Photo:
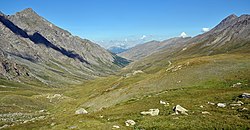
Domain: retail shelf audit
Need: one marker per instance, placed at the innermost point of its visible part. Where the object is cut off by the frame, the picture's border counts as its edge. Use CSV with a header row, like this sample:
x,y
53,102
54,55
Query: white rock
x,y
26,121
81,111
163,102
137,72
235,104
179,109
130,123
221,104
4,126
211,103
55,96
240,102
236,85
41,117
176,118
72,127
116,126
245,95
52,124
152,112
41,111
205,112
244,109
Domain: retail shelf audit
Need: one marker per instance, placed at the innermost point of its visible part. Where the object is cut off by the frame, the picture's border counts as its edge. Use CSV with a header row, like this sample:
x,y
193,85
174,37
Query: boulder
x,y
211,103
180,110
163,102
245,95
81,111
129,122
152,112
116,126
221,104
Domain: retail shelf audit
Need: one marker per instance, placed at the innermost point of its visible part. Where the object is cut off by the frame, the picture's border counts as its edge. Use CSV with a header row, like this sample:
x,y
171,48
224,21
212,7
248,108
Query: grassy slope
x,y
119,98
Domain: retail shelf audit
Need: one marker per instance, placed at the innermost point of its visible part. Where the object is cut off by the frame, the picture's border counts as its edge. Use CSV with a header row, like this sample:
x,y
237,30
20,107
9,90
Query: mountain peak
x,y
28,11
226,22
230,17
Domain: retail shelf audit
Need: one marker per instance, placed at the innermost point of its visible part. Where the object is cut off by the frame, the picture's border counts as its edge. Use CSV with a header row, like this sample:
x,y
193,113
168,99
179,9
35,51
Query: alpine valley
x,y
50,79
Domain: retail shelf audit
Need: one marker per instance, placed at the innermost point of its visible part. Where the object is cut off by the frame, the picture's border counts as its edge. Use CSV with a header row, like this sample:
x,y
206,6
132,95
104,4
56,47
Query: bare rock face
x,y
49,51
230,35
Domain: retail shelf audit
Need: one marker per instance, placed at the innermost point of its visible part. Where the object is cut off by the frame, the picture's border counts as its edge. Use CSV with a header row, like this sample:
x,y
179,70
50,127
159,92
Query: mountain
x,y
117,49
215,59
143,50
207,75
234,29
49,53
231,35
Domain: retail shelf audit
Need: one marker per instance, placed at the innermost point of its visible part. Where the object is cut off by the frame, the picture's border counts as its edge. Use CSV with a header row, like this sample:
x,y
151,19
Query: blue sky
x,y
112,19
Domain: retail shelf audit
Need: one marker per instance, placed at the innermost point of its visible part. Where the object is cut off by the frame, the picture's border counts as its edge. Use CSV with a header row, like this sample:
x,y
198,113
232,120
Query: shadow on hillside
x,y
37,38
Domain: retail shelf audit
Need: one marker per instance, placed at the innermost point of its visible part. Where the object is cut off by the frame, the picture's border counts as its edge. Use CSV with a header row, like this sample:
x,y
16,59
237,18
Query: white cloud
x,y
205,29
143,37
183,35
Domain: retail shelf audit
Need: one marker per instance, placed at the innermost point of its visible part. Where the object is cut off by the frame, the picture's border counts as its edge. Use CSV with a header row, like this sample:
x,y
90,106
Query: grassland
x,y
189,82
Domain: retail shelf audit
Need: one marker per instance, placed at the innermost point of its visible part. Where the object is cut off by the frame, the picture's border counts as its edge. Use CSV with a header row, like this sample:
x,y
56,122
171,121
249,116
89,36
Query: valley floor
x,y
197,84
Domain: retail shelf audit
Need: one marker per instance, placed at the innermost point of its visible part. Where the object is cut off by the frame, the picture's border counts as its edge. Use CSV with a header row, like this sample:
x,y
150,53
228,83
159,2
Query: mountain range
x,y
33,47
50,79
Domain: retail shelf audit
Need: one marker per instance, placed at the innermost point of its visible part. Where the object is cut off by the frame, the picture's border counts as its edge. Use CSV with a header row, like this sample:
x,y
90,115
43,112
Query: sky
x,y
113,19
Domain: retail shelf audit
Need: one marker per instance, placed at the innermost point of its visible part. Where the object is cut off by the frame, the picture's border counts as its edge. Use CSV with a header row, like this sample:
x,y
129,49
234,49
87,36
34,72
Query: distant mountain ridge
x,y
231,35
46,50
143,50
117,49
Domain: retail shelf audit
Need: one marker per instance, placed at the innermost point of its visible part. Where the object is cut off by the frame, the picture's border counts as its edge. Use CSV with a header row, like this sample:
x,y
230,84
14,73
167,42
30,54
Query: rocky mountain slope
x,y
50,53
143,50
203,83
231,35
